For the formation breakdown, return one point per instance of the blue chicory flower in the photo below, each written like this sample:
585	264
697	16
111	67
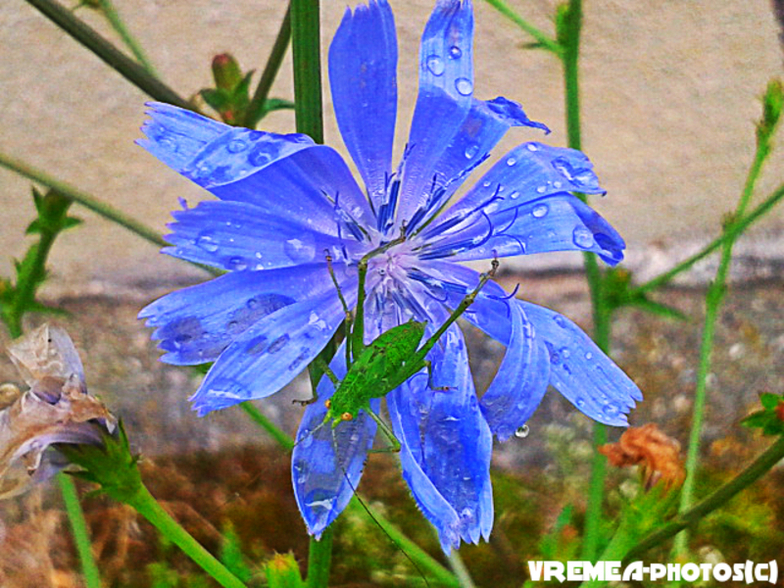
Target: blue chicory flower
283	201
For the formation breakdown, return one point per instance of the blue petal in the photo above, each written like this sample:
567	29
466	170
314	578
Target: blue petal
196	324
483	126
362	75
527	173
521	381
286	175
560	222
581	371
240	236
327	463
445	97
208	152
446	445
269	353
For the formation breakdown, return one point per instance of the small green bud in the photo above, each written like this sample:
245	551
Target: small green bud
283	572
226	71
772	104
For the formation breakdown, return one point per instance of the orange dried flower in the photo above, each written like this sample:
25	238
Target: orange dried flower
656	453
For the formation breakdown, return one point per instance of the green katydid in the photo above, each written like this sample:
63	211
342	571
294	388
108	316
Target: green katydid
376	369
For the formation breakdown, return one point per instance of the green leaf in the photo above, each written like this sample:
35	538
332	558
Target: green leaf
770	401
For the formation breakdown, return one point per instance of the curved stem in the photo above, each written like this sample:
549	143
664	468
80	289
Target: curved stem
732	232
713	302
541	38
114	58
256	107
111	14
149	508
769	458
81	535
260	419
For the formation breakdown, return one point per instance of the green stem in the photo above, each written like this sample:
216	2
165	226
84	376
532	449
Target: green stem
256	107
713	302
541	38
320	560
305	44
277	434
88	201
569	37
732	232
149	508
92	578
769	458
72	193
111	14
114	58
461	571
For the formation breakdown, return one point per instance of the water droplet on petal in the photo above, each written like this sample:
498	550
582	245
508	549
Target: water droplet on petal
236	264
514	195
236	146
300	250
565	353
532	147
557	184
278	344
610	410
582	237
471	150
580	402
588	355
167	143
560	321
207	242
464	86
435	65
455	52
522	432
511	161
540	210
541	189
252	303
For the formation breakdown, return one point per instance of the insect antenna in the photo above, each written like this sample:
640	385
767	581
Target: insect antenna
370	513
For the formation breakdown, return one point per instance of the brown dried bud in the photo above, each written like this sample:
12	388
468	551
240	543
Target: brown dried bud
656	453
56	409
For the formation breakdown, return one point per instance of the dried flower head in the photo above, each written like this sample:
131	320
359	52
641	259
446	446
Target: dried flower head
656	453
56	409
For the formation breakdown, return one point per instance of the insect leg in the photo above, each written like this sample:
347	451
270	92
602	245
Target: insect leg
429	367
324	367
394	443
349	318
461	308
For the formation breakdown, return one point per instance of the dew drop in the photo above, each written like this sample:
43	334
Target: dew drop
471	150
582	237
299	251
464	86
278	344
557	184
522	432
588	355
610	410
455	52
511	161
237	264
252	304
260	155
258	255
580	402
560	321
486	183
167	143
435	65
540	210
233	326
565	353
236	146
203	170
541	189
207	242
532	147
514	195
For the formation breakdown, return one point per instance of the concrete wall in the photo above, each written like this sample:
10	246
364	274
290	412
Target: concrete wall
669	96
